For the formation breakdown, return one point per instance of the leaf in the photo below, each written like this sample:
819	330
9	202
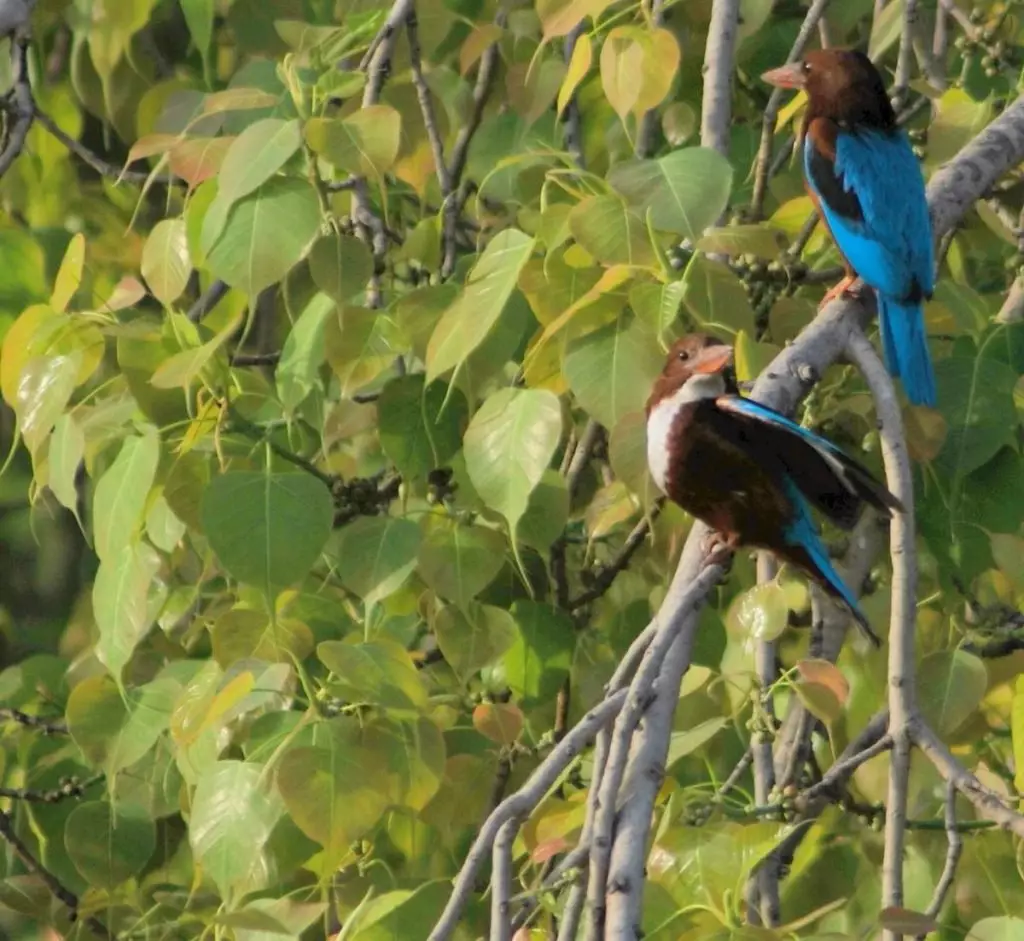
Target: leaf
608	230
263	236
546	513
44	390
579	66
886	28
366	142
234	812
560	17
67	448
508	446
341	266
760	613
165	261
120	602
255	156
1000	928
538	662
119	502
501	722
199	16
611	370
298	370
976	397
630	53
951	684
467	323
399	914
686	743
657	305
244	633
958	120
716	298
69	276
473	636
419	431
685	192
360	344
761	240
374	555
267	528
822	688
458	560
109	845
380	673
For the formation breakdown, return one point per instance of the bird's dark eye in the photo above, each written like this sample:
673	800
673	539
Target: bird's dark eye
805	67
683	355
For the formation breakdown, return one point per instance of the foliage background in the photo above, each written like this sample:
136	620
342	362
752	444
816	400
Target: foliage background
326	460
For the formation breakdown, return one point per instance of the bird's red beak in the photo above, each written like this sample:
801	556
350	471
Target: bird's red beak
712	359
785	76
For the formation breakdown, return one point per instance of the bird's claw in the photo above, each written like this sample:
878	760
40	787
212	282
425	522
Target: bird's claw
841	289
718	548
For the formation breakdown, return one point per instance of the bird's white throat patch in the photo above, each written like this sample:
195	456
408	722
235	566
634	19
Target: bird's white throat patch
663	416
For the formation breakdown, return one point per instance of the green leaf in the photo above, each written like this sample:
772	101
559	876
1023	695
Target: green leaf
298	371
761	240
166	265
951	684
538	662
685	192
242	633
67	449
255	156
1017	732
114	730
686	743
44	390
546	513
263	236
1000	928
473	636
341	266
716	298
399	914
234	811
466	324
657	305
457	560
760	613
262	917
380	673
267	528
419	430
333	790
610	231
610	371
121	603
975	395
508	446
120	500
109	845
364	143
360	345
885	29
199	16
374	555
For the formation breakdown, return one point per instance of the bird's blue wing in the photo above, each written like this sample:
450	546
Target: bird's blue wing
873	198
752	409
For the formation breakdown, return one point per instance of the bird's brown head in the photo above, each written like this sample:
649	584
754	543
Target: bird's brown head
841	84
691	356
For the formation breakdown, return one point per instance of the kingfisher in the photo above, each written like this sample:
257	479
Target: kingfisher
749	472
862	175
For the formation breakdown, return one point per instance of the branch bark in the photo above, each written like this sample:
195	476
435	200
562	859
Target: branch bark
719	54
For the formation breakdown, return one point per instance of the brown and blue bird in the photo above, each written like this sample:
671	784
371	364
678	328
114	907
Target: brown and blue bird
749	472
864	179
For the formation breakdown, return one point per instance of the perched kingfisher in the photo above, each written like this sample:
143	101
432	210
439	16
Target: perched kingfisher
866	182
749	472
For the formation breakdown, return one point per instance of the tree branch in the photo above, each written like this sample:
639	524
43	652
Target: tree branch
719	53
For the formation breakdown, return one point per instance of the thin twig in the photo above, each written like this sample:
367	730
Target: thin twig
719	53
518	806
954	847
733	779
21	105
427	104
206	301
834	780
59	891
606	575
501	883
771	111
48	726
70	788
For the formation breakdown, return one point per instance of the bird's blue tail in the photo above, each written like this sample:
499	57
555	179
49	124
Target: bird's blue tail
905	346
803	536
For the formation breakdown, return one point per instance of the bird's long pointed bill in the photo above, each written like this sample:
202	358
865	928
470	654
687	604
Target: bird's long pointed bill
785	76
713	359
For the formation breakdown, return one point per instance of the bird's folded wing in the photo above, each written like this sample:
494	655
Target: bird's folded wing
833	482
869	187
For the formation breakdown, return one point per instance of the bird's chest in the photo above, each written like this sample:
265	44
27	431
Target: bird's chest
705	464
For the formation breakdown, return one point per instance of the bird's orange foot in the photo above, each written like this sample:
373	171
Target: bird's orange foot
719	547
839	290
